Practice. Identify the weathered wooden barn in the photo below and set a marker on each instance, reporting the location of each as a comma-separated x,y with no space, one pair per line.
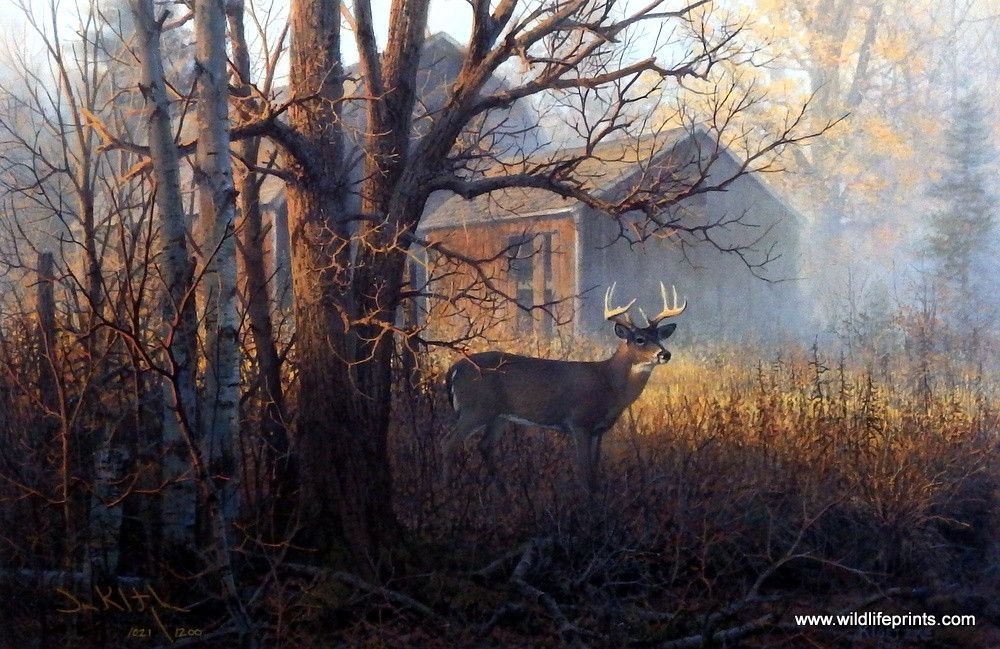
558,252
551,250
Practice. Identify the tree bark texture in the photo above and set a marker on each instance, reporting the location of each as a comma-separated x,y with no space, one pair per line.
217,207
345,470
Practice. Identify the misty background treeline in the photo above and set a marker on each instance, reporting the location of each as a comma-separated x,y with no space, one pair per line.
226,399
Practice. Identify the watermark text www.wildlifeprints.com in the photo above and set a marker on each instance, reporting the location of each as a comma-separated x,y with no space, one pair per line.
880,619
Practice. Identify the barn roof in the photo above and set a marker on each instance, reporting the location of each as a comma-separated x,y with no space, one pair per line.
607,165
604,171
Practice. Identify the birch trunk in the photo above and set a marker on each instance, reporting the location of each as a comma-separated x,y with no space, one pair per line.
217,213
180,416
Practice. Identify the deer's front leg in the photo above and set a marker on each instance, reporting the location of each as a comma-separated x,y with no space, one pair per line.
585,459
595,455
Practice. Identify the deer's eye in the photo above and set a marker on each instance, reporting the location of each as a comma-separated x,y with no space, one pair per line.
639,340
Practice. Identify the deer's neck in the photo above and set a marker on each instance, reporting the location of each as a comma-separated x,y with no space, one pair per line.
628,378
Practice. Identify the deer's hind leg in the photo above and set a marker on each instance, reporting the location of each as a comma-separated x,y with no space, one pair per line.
588,458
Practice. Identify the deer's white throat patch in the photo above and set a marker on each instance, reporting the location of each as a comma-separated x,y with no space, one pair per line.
641,368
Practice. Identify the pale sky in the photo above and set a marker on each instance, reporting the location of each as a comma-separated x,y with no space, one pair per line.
451,16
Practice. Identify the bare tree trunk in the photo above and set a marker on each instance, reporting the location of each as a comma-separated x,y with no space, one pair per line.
52,399
94,271
392,192
345,471
252,236
179,390
217,207
45,303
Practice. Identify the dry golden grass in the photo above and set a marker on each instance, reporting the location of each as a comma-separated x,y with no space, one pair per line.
826,478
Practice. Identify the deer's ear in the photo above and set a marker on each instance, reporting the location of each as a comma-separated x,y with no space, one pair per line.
666,331
622,331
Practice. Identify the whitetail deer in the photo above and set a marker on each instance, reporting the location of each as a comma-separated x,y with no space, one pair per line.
582,398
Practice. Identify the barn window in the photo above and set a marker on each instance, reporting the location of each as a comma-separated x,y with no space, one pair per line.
548,283
417,281
522,275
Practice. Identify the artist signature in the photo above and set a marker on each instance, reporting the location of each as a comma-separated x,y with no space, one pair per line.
131,599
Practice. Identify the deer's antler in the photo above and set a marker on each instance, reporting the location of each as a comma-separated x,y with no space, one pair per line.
615,314
668,310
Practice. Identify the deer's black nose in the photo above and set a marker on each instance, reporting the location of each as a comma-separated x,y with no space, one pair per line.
663,356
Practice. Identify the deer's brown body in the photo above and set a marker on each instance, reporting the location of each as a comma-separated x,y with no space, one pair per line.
552,394
581,398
